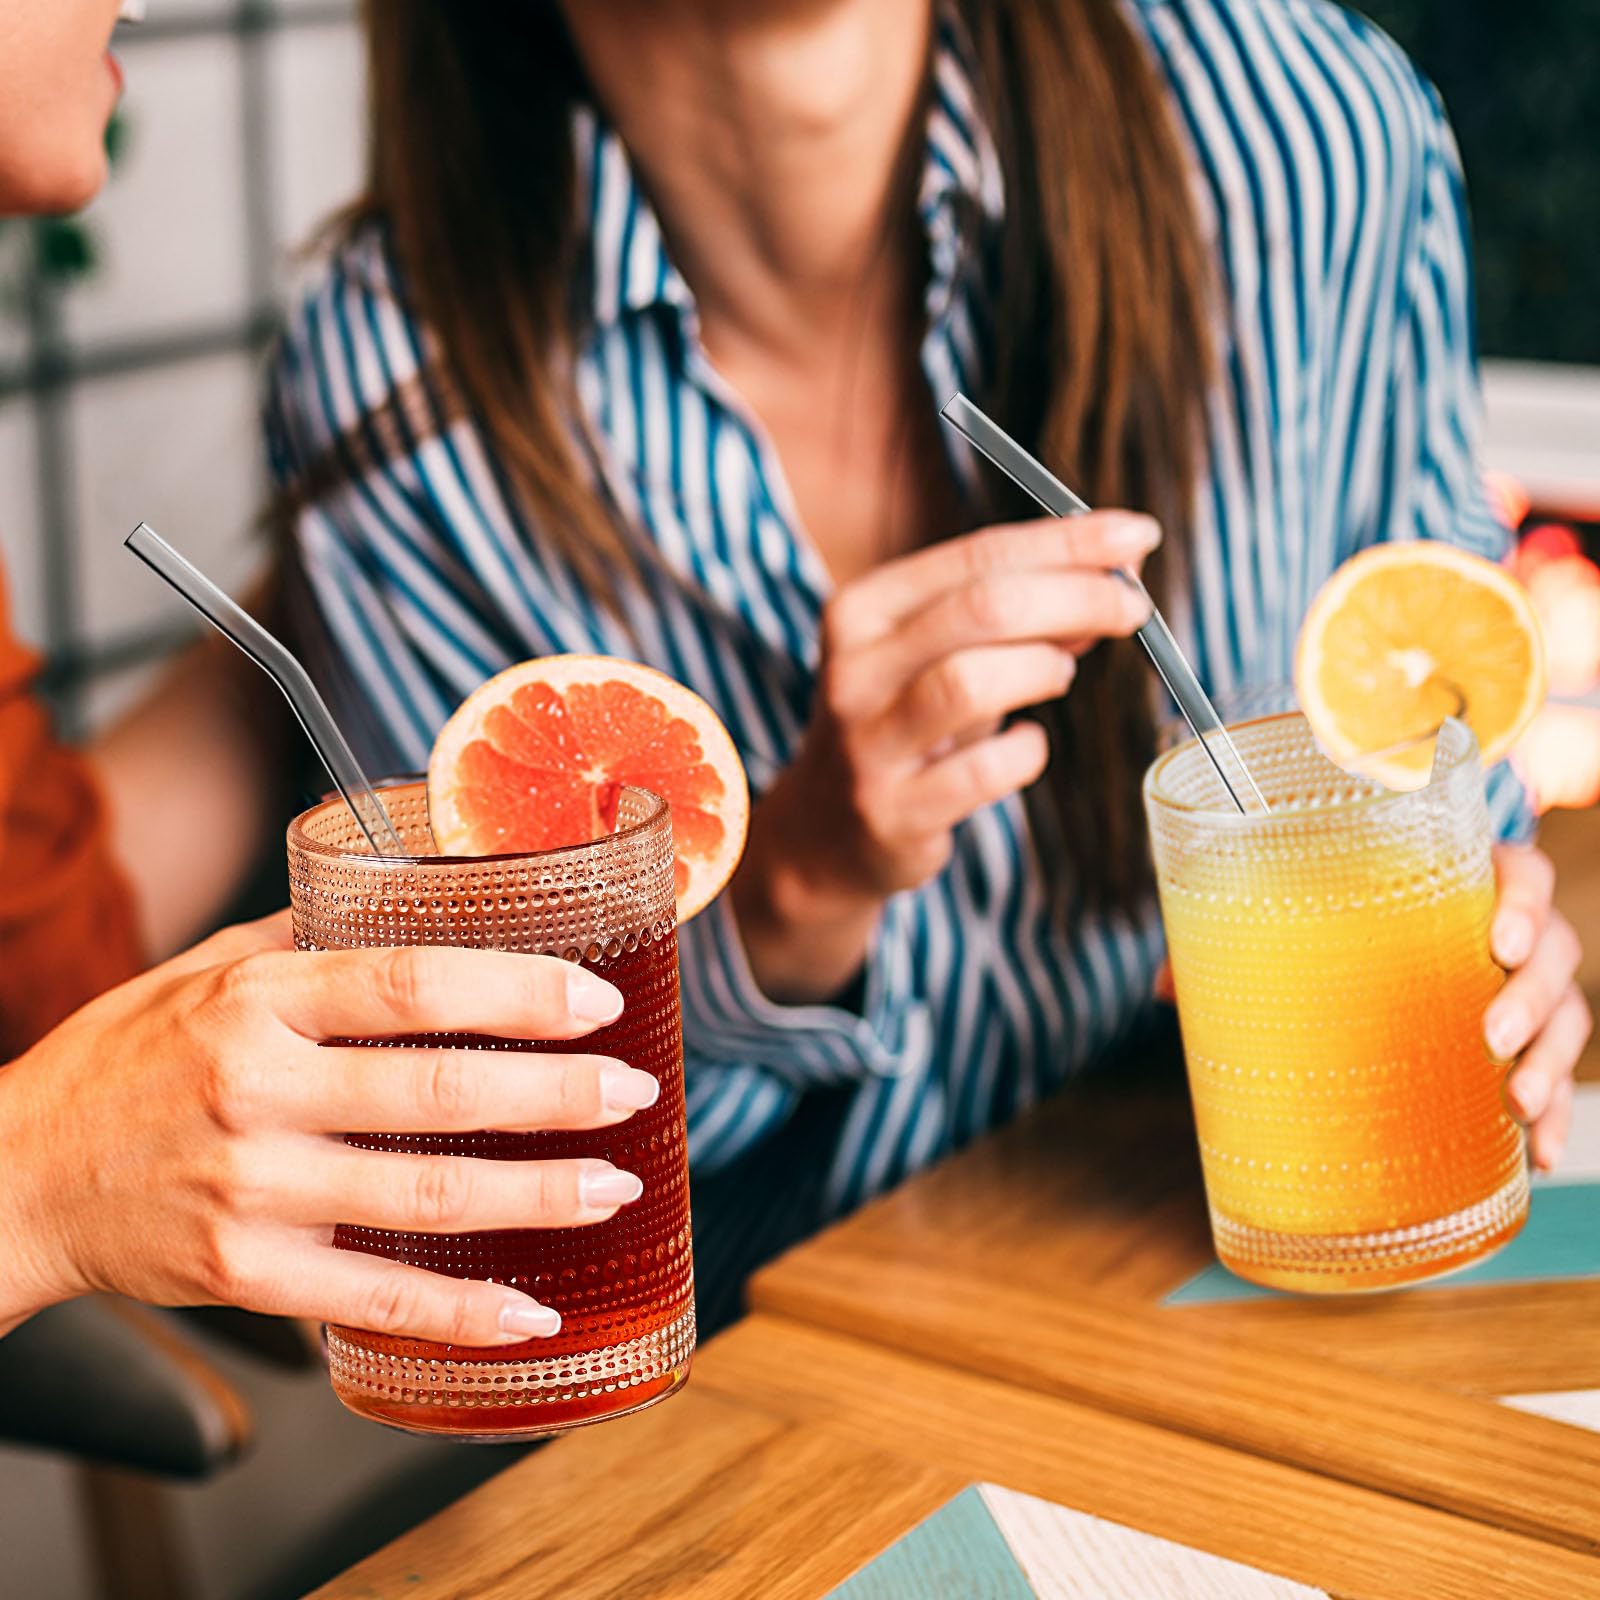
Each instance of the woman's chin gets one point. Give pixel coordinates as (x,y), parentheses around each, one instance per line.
(55,187)
(81,186)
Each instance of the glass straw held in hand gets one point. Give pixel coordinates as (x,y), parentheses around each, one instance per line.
(275,660)
(1051,493)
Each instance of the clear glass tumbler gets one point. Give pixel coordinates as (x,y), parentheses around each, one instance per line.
(1332,969)
(624,1287)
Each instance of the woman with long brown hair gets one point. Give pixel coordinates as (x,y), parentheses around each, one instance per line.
(637,345)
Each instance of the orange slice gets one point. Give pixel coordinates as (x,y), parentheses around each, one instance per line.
(1404,635)
(535,760)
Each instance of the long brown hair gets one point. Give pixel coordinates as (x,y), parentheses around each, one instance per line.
(1103,353)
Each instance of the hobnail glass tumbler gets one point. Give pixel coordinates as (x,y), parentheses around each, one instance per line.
(624,1287)
(1332,969)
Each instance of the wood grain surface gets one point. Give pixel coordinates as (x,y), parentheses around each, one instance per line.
(1458,1452)
(795,1456)
(698,1496)
(1100,1189)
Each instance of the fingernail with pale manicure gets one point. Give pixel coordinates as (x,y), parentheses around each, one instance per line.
(1504,1033)
(591,999)
(1530,1095)
(609,1187)
(1549,1156)
(527,1319)
(1137,535)
(626,1088)
(1512,938)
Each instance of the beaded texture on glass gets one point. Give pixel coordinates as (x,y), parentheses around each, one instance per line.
(1332,968)
(624,1287)
(579,903)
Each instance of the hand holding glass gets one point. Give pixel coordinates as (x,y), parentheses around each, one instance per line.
(624,1286)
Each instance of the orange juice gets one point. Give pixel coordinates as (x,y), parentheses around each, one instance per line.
(1332,969)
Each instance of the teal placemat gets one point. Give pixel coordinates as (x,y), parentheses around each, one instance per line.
(994,1543)
(1560,1240)
(956,1554)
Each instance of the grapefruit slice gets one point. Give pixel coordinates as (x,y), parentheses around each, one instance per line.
(536,758)
(1404,635)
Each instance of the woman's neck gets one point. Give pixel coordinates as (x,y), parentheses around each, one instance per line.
(769,135)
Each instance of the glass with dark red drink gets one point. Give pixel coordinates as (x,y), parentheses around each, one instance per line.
(624,1287)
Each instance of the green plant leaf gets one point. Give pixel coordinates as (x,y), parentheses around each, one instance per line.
(66,249)
(116,136)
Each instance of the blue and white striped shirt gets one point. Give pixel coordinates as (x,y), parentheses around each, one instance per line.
(1345,413)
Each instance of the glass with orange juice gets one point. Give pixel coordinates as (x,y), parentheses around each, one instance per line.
(1332,967)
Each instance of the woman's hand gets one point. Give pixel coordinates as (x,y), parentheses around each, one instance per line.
(179,1139)
(1540,1015)
(922,661)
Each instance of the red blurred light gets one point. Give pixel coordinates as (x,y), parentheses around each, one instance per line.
(1548,541)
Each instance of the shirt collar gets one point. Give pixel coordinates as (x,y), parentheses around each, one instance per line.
(629,269)
(961,190)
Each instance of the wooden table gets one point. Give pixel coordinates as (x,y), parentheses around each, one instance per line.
(796,1455)
(1041,1256)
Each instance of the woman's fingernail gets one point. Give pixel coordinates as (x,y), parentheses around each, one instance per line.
(1136,536)
(626,1088)
(591,999)
(609,1187)
(1505,1032)
(1530,1095)
(1511,938)
(527,1319)
(1549,1156)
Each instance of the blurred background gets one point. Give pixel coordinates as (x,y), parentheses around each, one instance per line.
(130,340)
(130,337)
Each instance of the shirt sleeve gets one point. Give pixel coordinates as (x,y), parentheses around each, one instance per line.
(1433,486)
(726,1011)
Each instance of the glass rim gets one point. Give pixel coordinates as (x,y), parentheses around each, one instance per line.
(1452,764)
(299,840)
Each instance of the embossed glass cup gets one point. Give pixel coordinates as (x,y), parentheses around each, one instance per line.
(624,1287)
(1332,968)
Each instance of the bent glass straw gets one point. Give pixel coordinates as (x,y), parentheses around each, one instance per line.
(268,653)
(1156,637)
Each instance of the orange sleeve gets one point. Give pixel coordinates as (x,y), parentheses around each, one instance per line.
(67,925)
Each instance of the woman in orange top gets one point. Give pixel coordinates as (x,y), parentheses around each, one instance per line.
(173,1139)
(67,926)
